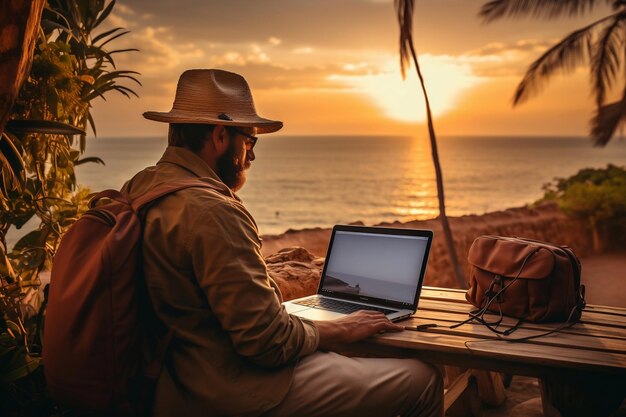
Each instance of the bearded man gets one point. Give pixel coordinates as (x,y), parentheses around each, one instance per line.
(236,351)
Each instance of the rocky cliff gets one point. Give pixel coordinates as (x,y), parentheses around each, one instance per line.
(295,261)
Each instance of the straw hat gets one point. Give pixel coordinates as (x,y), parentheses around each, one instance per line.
(212,96)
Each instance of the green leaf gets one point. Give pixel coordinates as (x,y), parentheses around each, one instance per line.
(112,38)
(92,123)
(29,240)
(117,51)
(105,34)
(43,127)
(94,159)
(19,368)
(105,13)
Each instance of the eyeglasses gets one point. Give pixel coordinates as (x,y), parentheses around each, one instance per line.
(251,139)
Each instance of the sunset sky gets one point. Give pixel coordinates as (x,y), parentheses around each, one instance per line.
(332,66)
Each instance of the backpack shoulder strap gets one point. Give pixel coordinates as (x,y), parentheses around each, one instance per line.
(110,194)
(165,189)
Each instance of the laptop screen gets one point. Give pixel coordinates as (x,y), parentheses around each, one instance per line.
(375,265)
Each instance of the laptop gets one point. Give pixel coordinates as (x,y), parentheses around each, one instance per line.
(368,268)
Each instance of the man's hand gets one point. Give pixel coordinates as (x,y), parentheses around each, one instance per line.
(353,327)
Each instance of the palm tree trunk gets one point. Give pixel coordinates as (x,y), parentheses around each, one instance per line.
(447,232)
(23,17)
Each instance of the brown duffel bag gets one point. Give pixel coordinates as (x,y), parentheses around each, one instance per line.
(530,280)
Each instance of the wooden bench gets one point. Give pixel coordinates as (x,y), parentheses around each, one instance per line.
(582,369)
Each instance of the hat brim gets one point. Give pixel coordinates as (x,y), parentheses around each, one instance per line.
(262,125)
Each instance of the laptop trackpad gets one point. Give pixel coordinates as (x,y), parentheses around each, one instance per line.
(317,314)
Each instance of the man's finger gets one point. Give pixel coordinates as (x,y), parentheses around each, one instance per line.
(388,325)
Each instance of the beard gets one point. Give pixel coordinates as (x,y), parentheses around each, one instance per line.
(232,170)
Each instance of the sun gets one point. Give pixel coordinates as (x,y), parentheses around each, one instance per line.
(402,100)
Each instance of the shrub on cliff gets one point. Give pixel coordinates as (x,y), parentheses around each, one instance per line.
(599,196)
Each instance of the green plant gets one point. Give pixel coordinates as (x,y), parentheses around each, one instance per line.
(71,67)
(597,195)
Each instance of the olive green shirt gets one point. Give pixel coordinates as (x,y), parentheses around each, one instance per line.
(235,346)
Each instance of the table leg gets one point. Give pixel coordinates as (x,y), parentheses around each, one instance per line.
(581,395)
(461,398)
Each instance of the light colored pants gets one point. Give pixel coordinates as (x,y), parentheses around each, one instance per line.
(332,385)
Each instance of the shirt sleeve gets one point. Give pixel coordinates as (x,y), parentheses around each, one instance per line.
(226,258)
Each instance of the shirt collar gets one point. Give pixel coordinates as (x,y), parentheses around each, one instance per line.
(191,162)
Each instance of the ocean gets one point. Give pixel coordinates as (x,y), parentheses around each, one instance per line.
(307,181)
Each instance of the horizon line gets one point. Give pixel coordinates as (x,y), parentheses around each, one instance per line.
(347,135)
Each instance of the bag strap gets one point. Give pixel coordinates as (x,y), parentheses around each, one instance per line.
(478,315)
(164,189)
(491,296)
(571,320)
(111,194)
(153,370)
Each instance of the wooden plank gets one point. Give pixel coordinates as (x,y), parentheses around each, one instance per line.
(571,341)
(457,317)
(595,343)
(490,387)
(428,288)
(616,311)
(461,399)
(522,353)
(590,317)
(585,329)
(455,295)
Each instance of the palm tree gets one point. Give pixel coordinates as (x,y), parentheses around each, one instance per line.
(404,9)
(601,44)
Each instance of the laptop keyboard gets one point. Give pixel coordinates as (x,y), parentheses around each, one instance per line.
(339,306)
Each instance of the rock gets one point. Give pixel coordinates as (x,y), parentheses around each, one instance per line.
(296,271)
(290,254)
(545,222)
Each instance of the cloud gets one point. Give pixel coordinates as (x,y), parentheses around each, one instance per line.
(521,46)
(303,50)
(159,50)
(252,54)
(274,41)
(121,16)
(498,59)
(124,9)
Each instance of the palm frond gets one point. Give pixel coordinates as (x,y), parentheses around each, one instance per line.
(112,38)
(105,34)
(547,9)
(92,124)
(93,159)
(50,127)
(404,10)
(105,13)
(126,91)
(607,120)
(565,56)
(608,57)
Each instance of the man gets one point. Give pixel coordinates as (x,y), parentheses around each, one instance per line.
(236,351)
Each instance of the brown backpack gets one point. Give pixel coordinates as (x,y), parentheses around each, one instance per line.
(530,280)
(92,347)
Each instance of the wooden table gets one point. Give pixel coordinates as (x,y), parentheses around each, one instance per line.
(582,370)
